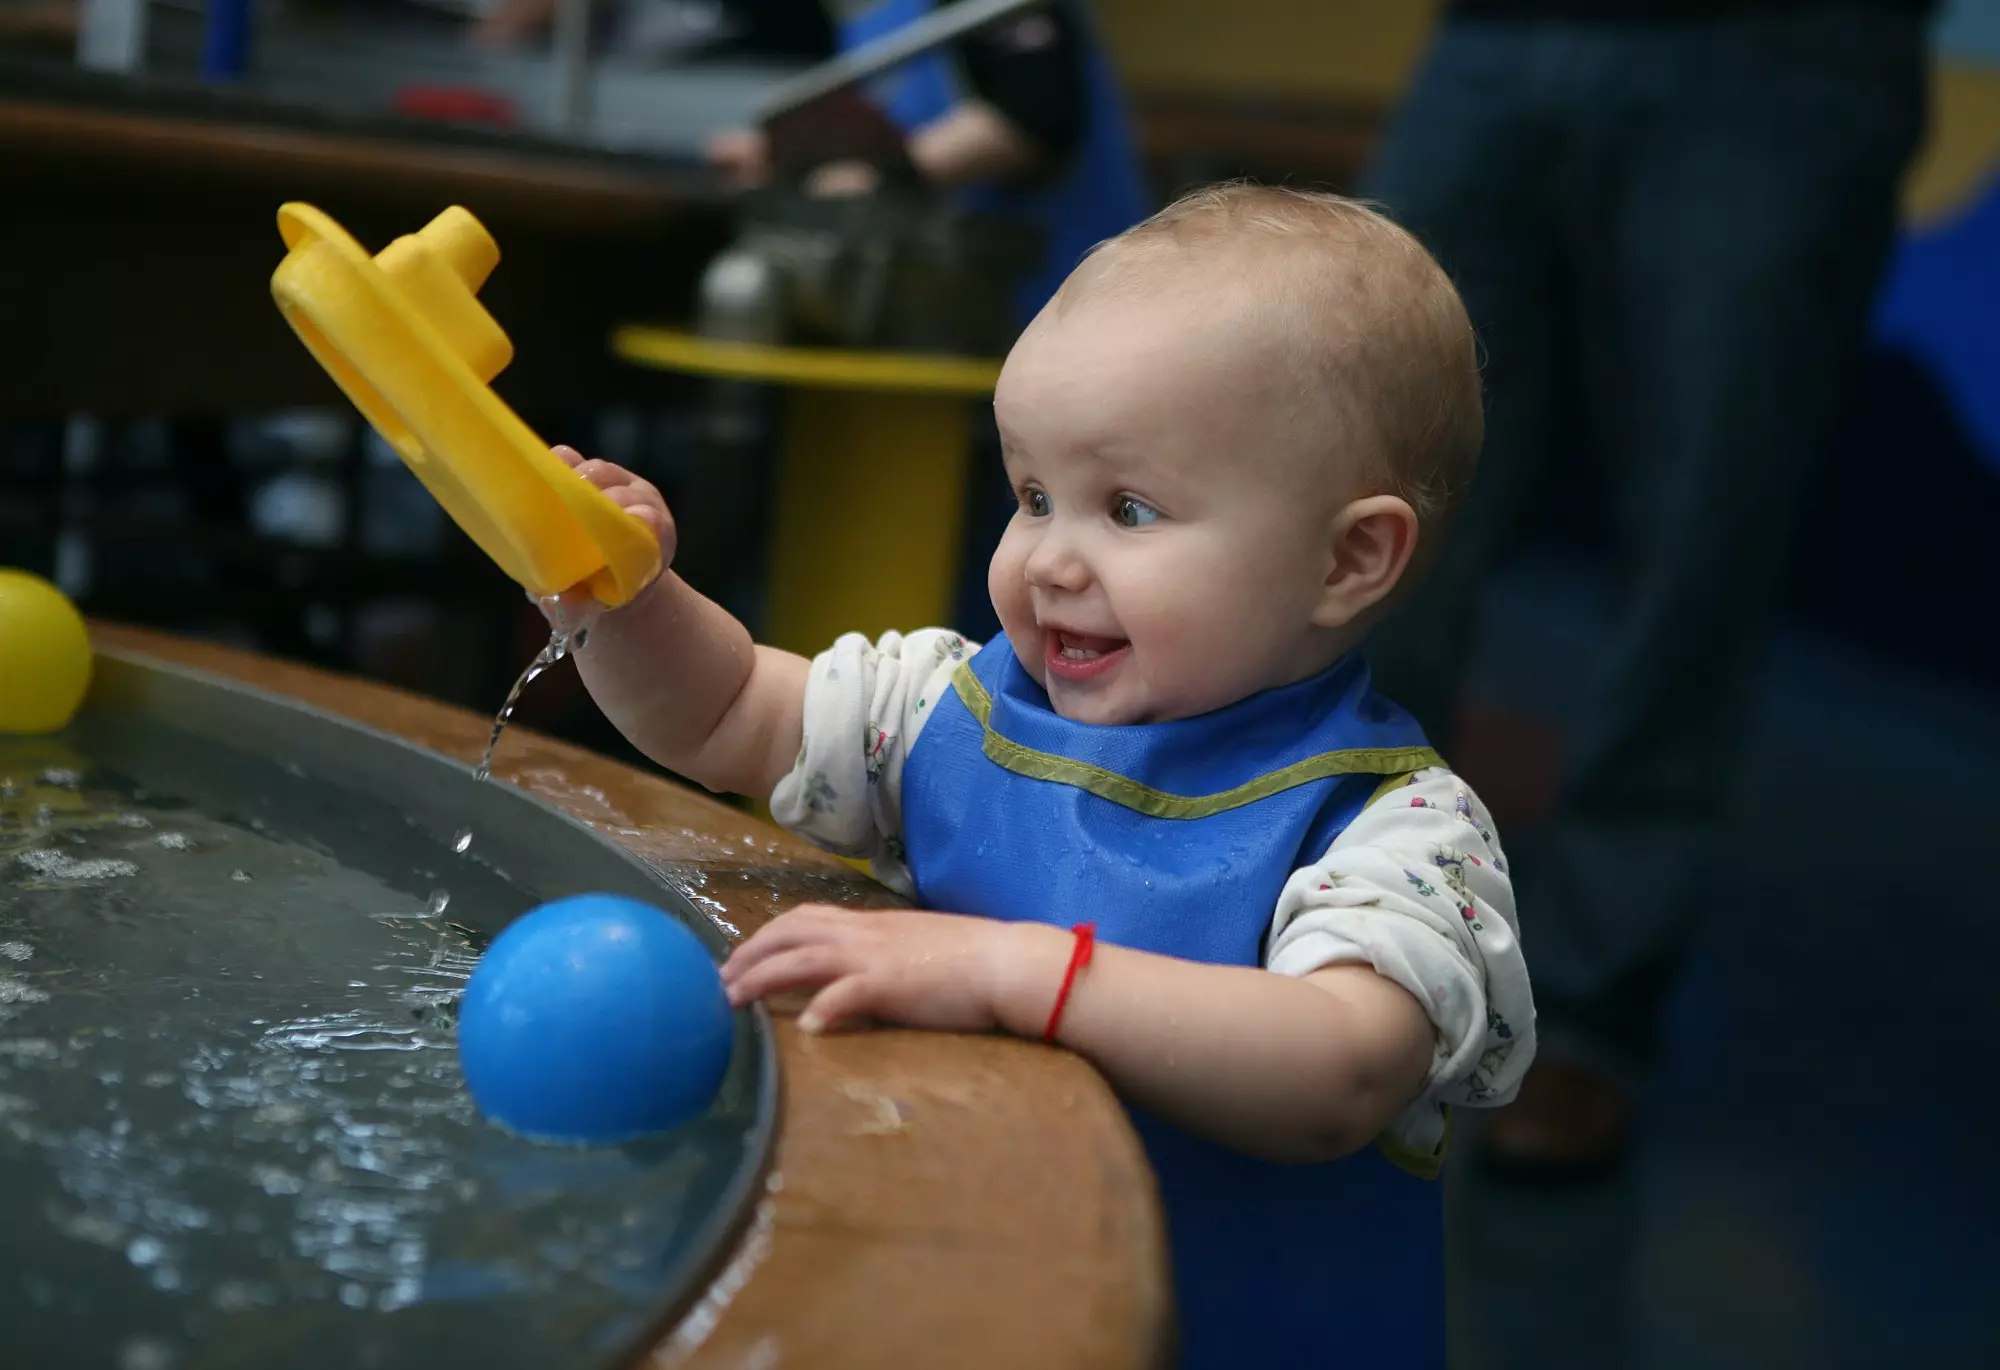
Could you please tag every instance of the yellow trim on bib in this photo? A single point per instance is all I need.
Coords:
(1394, 782)
(1122, 790)
(1425, 1165)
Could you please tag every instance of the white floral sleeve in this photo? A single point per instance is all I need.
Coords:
(1417, 887)
(865, 704)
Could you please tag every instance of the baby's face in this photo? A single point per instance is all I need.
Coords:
(1171, 541)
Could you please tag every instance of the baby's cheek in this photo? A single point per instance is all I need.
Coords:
(1201, 635)
(1006, 586)
(1172, 624)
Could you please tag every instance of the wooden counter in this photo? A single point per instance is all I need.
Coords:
(956, 1201)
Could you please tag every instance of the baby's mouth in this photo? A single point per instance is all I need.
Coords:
(1080, 656)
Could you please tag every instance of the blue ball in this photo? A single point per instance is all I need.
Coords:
(594, 1019)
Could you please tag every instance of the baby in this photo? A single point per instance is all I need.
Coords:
(1230, 435)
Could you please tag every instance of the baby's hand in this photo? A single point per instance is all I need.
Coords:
(929, 970)
(637, 497)
(640, 498)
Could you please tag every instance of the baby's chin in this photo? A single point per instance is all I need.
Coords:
(1099, 706)
(1097, 713)
(1113, 708)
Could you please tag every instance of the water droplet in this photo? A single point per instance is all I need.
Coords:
(440, 900)
(173, 841)
(354, 1296)
(234, 1296)
(16, 951)
(62, 777)
(401, 1294)
(276, 1182)
(146, 1353)
(144, 1251)
(240, 877)
(462, 841)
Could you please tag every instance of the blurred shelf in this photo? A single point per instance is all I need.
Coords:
(57, 117)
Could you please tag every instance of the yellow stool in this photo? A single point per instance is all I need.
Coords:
(871, 489)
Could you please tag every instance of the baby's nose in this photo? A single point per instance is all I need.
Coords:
(1055, 564)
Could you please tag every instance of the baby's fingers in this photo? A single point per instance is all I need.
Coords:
(799, 968)
(605, 475)
(802, 927)
(649, 512)
(851, 996)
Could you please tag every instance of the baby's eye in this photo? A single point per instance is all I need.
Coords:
(1133, 513)
(1035, 502)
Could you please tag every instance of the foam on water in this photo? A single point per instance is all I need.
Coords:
(61, 866)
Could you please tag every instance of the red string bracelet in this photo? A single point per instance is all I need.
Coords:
(1079, 957)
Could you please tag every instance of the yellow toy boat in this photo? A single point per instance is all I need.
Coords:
(405, 336)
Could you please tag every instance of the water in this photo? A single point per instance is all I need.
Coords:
(232, 1126)
(562, 637)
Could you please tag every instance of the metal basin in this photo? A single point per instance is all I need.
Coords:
(232, 1128)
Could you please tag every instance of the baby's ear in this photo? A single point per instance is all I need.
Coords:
(1373, 541)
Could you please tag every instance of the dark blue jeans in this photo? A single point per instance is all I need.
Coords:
(1668, 237)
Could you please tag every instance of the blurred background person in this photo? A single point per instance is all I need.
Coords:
(1669, 219)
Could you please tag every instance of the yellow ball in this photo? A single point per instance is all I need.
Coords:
(44, 655)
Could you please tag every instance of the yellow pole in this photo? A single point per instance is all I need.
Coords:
(870, 506)
(871, 491)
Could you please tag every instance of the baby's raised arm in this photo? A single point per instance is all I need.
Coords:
(680, 677)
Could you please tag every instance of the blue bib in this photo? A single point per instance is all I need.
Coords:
(1177, 838)
(1097, 194)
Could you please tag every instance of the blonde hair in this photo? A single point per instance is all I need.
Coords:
(1375, 326)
